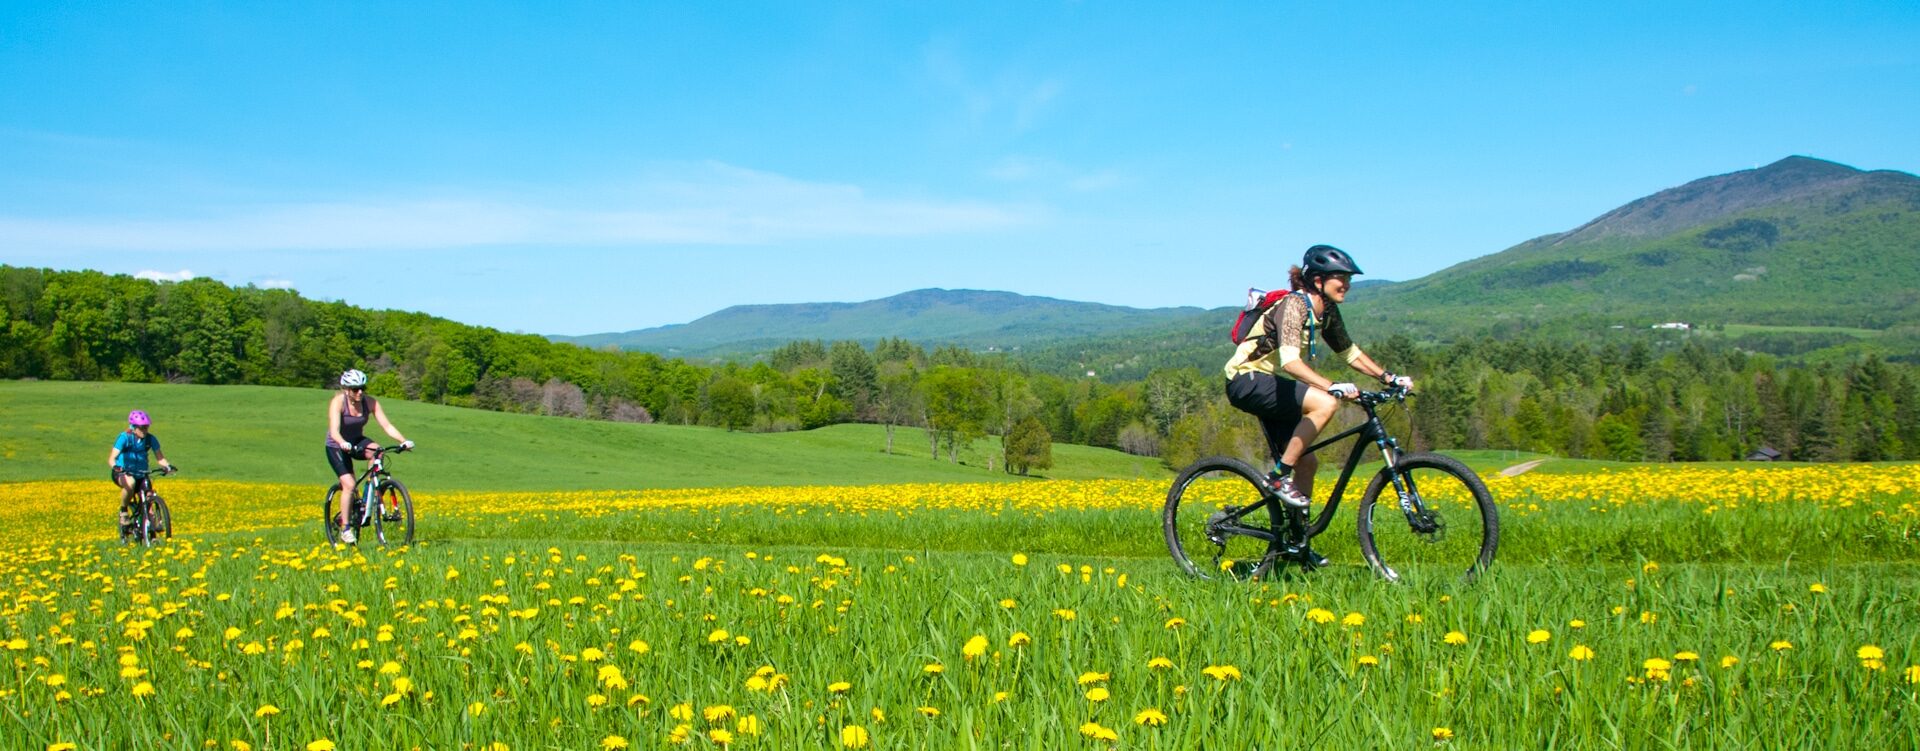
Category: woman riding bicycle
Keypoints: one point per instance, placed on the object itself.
(129, 454)
(1269, 378)
(347, 416)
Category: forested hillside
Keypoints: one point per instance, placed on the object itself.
(1693, 399)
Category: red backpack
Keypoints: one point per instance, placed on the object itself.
(1258, 301)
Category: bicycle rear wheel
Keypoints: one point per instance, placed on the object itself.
(394, 498)
(1198, 528)
(1446, 529)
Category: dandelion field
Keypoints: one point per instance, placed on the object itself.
(1655, 607)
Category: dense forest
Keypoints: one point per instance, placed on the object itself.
(1701, 399)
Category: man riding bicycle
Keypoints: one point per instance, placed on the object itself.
(1270, 379)
(129, 454)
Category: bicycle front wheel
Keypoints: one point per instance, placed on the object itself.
(162, 518)
(330, 516)
(1202, 534)
(1444, 527)
(394, 516)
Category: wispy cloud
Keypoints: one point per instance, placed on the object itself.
(1008, 97)
(705, 204)
(273, 284)
(1028, 169)
(165, 276)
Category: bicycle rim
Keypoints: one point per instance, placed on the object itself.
(1453, 541)
(1201, 495)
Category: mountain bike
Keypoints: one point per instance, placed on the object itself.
(1224, 520)
(147, 516)
(382, 503)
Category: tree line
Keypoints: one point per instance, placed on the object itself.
(1686, 402)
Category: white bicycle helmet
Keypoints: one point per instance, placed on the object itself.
(353, 379)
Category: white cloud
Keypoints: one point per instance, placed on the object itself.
(273, 284)
(163, 276)
(706, 204)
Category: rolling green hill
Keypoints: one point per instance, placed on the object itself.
(63, 430)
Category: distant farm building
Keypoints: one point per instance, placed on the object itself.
(1675, 325)
(1764, 454)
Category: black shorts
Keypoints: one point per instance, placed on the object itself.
(1275, 400)
(342, 459)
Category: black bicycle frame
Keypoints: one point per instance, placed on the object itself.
(1369, 430)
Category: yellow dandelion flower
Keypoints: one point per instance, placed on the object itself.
(853, 736)
(613, 743)
(975, 647)
(1019, 639)
(1098, 694)
(720, 736)
(1685, 656)
(1150, 717)
(1320, 615)
(1538, 636)
(1781, 645)
(1175, 622)
(143, 689)
(934, 668)
(1093, 730)
(1019, 559)
(1581, 653)
(1369, 661)
(1729, 661)
(1090, 677)
(321, 745)
(1222, 672)
(1454, 638)
(1913, 674)
(266, 710)
(838, 687)
(1870, 652)
(1353, 619)
(1817, 588)
(1442, 734)
(1159, 663)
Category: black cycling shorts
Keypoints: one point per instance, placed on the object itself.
(342, 459)
(1275, 400)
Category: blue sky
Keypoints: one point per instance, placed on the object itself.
(577, 168)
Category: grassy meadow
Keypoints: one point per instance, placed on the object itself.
(1631, 606)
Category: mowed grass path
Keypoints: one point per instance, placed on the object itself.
(63, 430)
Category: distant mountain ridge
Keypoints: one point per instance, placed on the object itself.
(1827, 250)
(976, 318)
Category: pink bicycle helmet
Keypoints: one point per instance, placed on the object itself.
(138, 417)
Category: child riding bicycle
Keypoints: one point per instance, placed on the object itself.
(129, 455)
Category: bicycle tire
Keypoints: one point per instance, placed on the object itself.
(330, 517)
(163, 517)
(392, 490)
(1189, 509)
(1465, 541)
(143, 523)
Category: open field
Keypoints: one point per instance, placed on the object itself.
(1655, 607)
(62, 430)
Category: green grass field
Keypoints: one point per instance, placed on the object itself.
(63, 430)
(1630, 607)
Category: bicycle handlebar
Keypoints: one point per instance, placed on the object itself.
(1394, 393)
(146, 473)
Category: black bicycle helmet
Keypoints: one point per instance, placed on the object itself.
(1326, 259)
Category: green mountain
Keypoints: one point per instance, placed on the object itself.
(970, 318)
(1802, 257)
(1798, 244)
